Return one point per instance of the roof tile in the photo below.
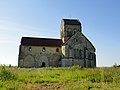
(72, 21)
(30, 41)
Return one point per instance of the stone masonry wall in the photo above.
(34, 56)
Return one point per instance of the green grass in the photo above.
(62, 78)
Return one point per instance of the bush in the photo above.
(6, 74)
(75, 67)
(94, 77)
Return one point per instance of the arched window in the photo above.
(57, 49)
(77, 53)
(74, 52)
(89, 56)
(80, 53)
(43, 64)
(76, 40)
(74, 32)
(43, 49)
(30, 49)
(68, 33)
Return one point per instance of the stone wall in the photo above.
(34, 56)
(80, 50)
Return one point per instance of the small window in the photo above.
(76, 40)
(59, 59)
(30, 49)
(74, 32)
(57, 50)
(43, 49)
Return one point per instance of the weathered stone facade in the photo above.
(72, 49)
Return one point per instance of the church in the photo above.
(73, 48)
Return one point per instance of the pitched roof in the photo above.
(72, 21)
(30, 41)
(89, 41)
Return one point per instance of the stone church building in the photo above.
(73, 48)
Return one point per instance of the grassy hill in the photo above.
(67, 78)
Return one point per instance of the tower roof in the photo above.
(71, 21)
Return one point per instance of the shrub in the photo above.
(94, 77)
(75, 67)
(6, 74)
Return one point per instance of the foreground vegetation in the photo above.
(68, 78)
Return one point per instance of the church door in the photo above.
(43, 64)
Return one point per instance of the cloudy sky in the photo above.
(41, 18)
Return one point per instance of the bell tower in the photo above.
(68, 28)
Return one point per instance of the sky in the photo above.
(41, 18)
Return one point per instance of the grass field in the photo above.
(67, 78)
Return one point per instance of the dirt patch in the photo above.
(44, 86)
